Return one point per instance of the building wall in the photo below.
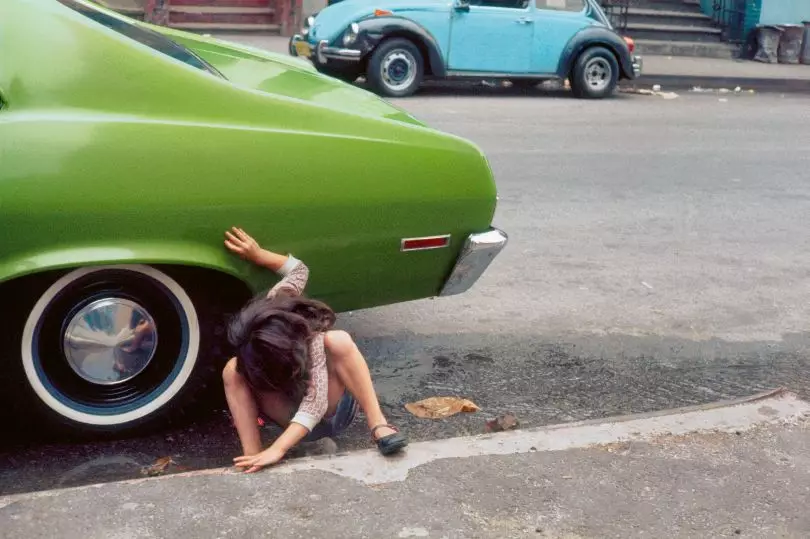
(785, 11)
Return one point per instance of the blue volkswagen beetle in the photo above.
(397, 44)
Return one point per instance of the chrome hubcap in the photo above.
(110, 341)
(399, 69)
(598, 73)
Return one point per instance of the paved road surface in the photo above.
(658, 258)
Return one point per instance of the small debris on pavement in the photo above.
(502, 423)
(644, 91)
(159, 467)
(440, 407)
(646, 285)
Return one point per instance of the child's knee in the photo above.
(339, 342)
(230, 376)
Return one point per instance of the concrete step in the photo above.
(222, 3)
(221, 18)
(226, 27)
(663, 32)
(221, 10)
(686, 48)
(668, 18)
(220, 14)
(667, 5)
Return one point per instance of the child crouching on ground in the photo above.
(293, 368)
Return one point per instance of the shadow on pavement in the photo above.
(541, 380)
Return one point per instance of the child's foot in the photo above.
(389, 439)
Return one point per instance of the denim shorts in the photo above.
(330, 427)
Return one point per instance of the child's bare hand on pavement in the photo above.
(241, 243)
(254, 463)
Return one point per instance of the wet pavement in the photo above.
(655, 261)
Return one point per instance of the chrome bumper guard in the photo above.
(322, 52)
(478, 251)
(638, 64)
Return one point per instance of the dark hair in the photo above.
(271, 338)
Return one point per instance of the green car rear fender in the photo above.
(114, 153)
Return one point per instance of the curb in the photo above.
(687, 82)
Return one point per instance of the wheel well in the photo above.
(230, 294)
(413, 38)
(604, 45)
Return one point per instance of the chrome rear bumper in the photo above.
(478, 251)
(638, 66)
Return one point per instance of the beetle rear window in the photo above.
(144, 36)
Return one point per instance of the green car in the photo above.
(127, 149)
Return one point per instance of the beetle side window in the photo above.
(561, 5)
(144, 36)
(508, 4)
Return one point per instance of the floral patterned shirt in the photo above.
(315, 403)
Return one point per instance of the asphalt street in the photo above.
(658, 257)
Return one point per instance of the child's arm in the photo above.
(312, 409)
(295, 272)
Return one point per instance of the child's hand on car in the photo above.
(241, 243)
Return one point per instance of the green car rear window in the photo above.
(144, 36)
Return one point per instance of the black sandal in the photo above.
(393, 443)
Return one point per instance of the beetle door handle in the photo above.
(524, 20)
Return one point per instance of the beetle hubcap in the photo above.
(110, 341)
(399, 69)
(598, 73)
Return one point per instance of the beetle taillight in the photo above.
(630, 43)
(382, 13)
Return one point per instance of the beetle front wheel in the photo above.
(396, 68)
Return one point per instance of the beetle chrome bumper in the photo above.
(638, 64)
(322, 52)
(478, 251)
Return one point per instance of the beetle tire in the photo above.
(49, 392)
(585, 82)
(386, 50)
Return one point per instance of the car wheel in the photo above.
(595, 73)
(396, 68)
(111, 349)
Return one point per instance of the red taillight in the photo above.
(382, 13)
(421, 244)
(630, 43)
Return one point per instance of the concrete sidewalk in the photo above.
(682, 73)
(671, 72)
(737, 470)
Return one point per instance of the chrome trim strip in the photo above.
(478, 252)
(497, 75)
(443, 236)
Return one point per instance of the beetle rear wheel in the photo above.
(396, 68)
(595, 73)
(109, 349)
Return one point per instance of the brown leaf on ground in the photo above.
(502, 423)
(158, 467)
(440, 407)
